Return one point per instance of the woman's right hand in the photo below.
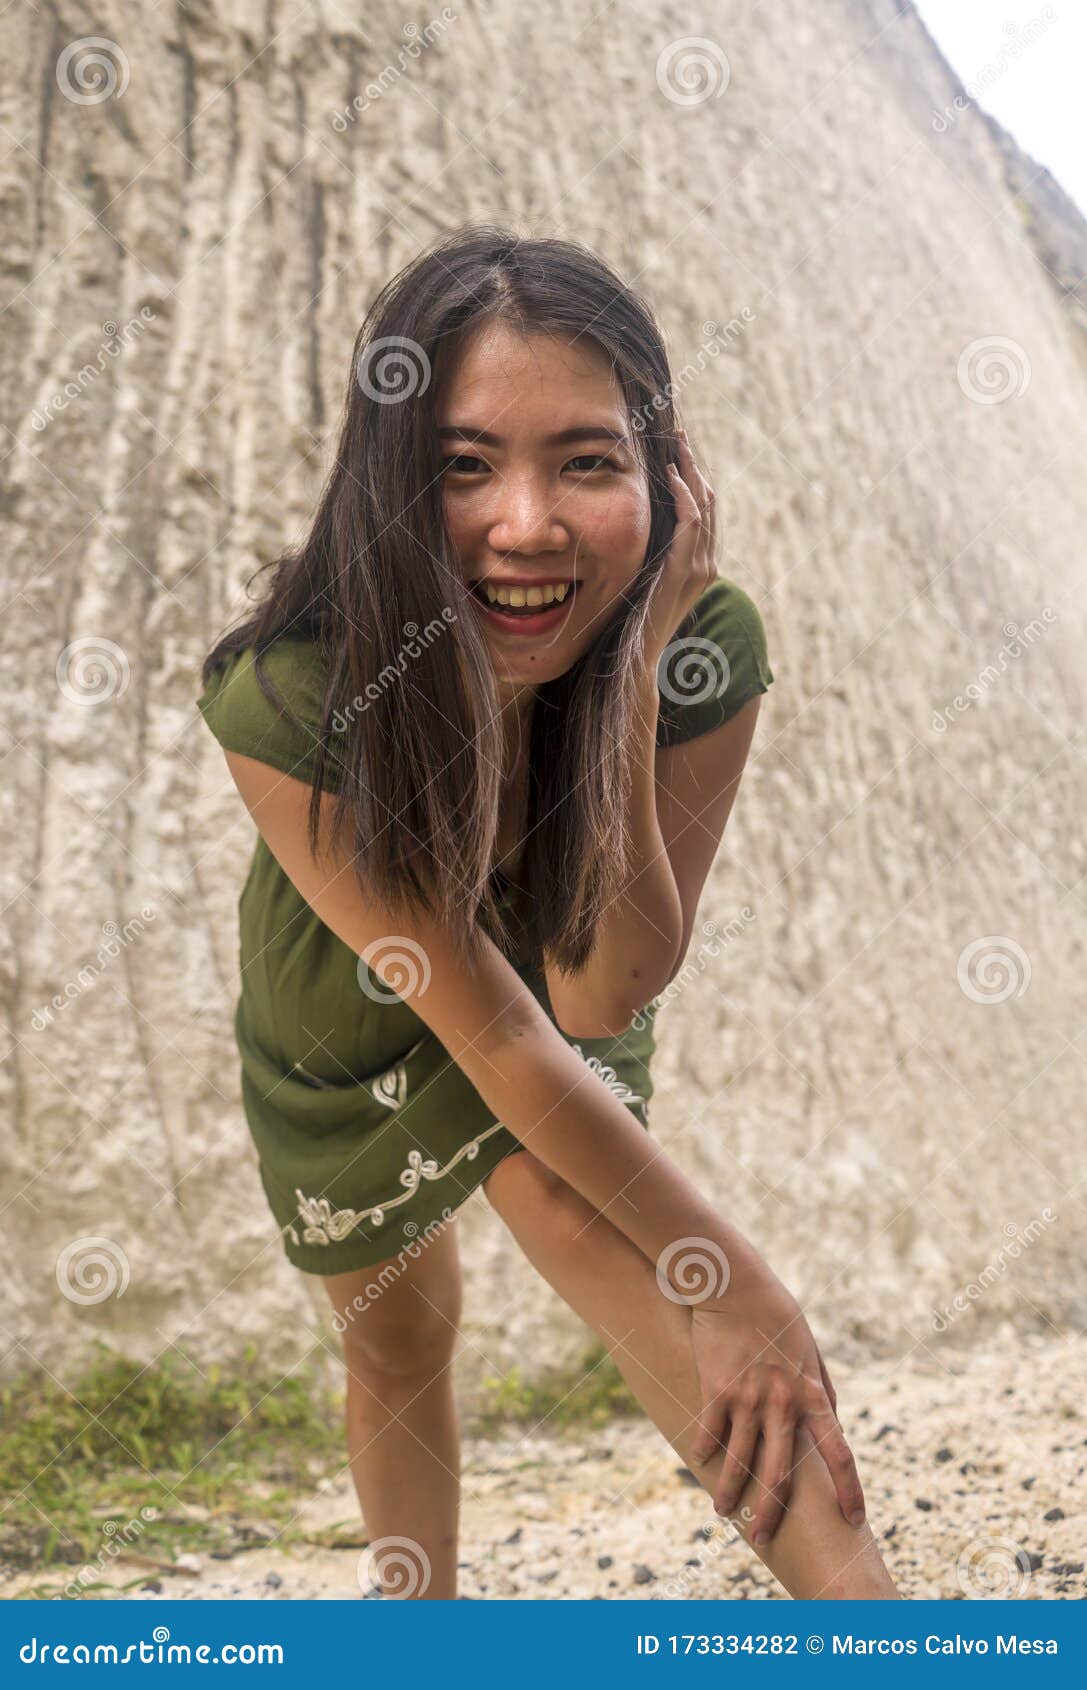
(761, 1375)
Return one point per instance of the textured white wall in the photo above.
(873, 1125)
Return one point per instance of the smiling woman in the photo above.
(490, 719)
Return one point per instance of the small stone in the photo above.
(944, 1455)
(188, 1564)
(882, 1433)
(515, 1536)
(890, 1532)
(1033, 1561)
(923, 1503)
(273, 1580)
(604, 1561)
(686, 1475)
(545, 1578)
(1054, 1514)
(1028, 1482)
(1066, 1567)
(642, 1574)
(154, 1585)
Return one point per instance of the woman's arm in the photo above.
(758, 1363)
(635, 952)
(498, 1035)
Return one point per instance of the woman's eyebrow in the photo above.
(565, 436)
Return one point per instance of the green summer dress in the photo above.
(368, 1134)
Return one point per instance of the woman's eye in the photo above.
(460, 460)
(596, 461)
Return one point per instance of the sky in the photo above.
(1037, 94)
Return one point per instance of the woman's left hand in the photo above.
(691, 563)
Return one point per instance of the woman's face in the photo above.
(527, 510)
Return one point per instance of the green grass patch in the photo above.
(139, 1464)
(587, 1394)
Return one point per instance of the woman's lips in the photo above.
(541, 622)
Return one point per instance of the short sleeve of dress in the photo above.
(243, 718)
(716, 661)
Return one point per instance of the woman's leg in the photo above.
(604, 1277)
(399, 1321)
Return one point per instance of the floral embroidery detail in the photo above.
(391, 1088)
(610, 1078)
(325, 1225)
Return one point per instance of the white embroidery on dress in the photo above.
(326, 1225)
(391, 1088)
(610, 1078)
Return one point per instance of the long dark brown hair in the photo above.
(411, 738)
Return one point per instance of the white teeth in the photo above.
(523, 597)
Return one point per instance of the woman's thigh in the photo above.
(402, 1314)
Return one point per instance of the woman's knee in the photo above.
(399, 1319)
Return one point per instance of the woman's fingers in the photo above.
(775, 1475)
(736, 1467)
(827, 1386)
(830, 1442)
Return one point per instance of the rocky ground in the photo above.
(977, 1463)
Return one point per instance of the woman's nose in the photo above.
(526, 521)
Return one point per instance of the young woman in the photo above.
(490, 719)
